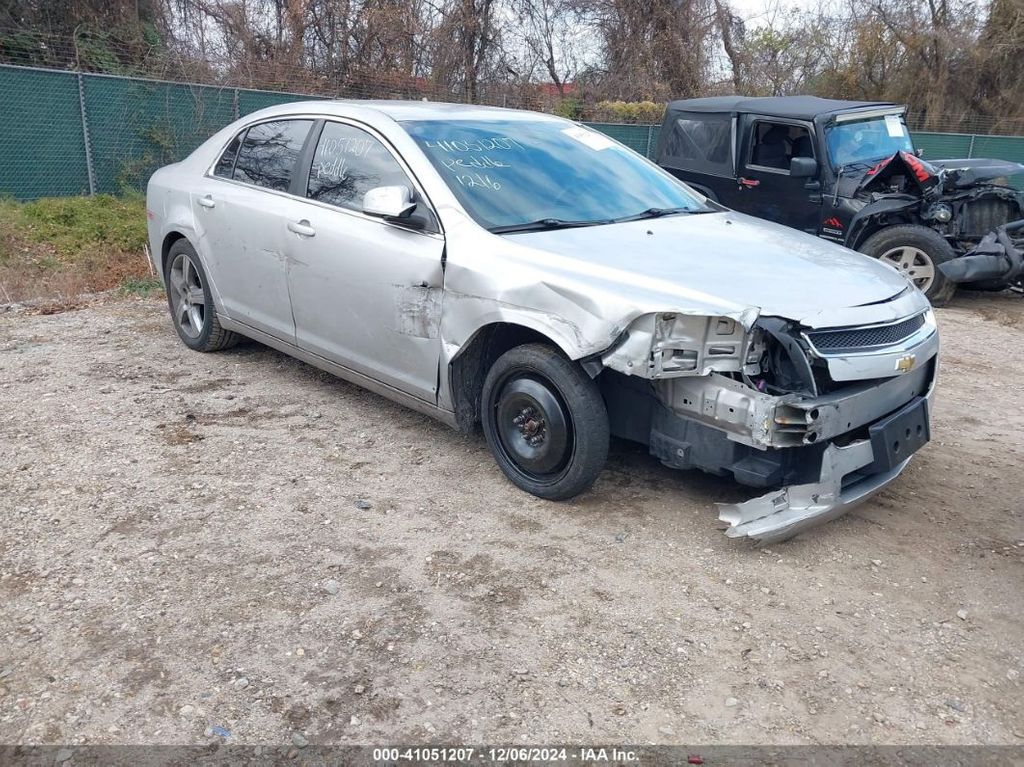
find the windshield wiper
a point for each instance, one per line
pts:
(657, 213)
(544, 224)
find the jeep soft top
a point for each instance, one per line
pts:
(847, 171)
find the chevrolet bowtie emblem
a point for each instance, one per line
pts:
(905, 364)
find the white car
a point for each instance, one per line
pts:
(522, 272)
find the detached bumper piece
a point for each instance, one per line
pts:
(996, 257)
(850, 475)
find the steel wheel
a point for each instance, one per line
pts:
(188, 299)
(545, 421)
(913, 262)
(534, 428)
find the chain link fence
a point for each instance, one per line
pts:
(65, 132)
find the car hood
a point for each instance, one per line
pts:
(978, 170)
(734, 259)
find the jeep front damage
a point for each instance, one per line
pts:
(965, 201)
(826, 416)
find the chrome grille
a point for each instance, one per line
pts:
(852, 339)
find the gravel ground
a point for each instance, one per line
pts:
(242, 542)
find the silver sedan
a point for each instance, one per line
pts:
(524, 273)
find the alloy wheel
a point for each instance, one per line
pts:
(914, 263)
(188, 299)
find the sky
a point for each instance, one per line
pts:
(751, 10)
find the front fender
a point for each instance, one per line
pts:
(464, 316)
(861, 220)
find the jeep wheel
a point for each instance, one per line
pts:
(916, 251)
(545, 422)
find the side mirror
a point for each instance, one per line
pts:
(389, 202)
(803, 167)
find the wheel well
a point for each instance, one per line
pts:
(469, 368)
(165, 248)
(876, 224)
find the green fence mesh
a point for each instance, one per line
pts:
(640, 138)
(42, 146)
(136, 125)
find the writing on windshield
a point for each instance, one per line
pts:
(509, 172)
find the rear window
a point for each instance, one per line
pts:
(226, 164)
(269, 152)
(700, 142)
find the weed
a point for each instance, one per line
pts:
(77, 225)
(59, 248)
(140, 286)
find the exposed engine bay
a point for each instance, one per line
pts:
(807, 409)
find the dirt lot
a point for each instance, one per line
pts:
(239, 540)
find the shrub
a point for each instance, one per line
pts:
(646, 112)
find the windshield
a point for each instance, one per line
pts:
(868, 140)
(509, 173)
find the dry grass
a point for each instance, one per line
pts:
(53, 251)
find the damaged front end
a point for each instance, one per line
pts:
(965, 201)
(823, 415)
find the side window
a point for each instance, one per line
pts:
(701, 143)
(349, 162)
(226, 164)
(269, 152)
(775, 144)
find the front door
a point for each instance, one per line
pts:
(241, 235)
(365, 293)
(765, 187)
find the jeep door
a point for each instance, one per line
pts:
(766, 187)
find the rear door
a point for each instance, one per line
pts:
(366, 293)
(765, 187)
(242, 233)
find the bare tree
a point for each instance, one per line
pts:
(551, 31)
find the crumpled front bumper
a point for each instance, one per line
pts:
(783, 513)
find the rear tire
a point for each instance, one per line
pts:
(191, 302)
(545, 422)
(917, 251)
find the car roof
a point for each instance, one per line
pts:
(799, 107)
(402, 111)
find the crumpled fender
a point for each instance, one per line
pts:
(862, 217)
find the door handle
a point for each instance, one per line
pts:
(301, 228)
(207, 202)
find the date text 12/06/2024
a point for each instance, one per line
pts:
(507, 754)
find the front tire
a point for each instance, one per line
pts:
(917, 251)
(545, 422)
(191, 302)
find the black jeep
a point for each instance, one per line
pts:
(847, 171)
